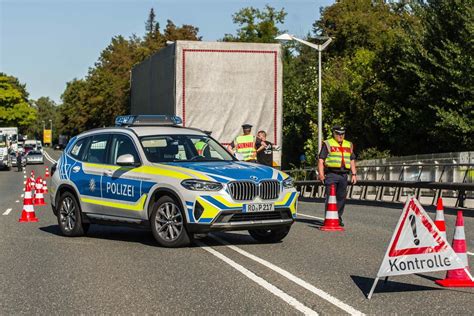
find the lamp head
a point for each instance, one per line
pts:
(284, 37)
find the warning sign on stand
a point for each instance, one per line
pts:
(417, 246)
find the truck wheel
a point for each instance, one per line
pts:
(69, 216)
(168, 224)
(269, 235)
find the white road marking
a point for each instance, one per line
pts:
(310, 216)
(24, 176)
(22, 195)
(326, 296)
(263, 283)
(7, 211)
(17, 201)
(24, 182)
(47, 156)
(470, 253)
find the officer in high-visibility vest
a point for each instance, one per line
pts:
(202, 146)
(245, 144)
(336, 160)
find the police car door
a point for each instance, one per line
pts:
(121, 186)
(88, 178)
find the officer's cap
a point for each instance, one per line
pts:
(246, 126)
(338, 129)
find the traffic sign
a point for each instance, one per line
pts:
(416, 246)
(47, 135)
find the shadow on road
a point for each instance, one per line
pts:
(313, 223)
(390, 286)
(126, 234)
(145, 237)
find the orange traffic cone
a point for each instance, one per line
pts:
(439, 220)
(46, 173)
(31, 179)
(458, 277)
(331, 220)
(28, 213)
(45, 186)
(39, 197)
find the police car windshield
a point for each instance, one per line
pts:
(183, 148)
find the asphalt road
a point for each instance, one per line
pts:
(121, 270)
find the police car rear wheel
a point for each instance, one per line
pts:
(69, 216)
(269, 235)
(167, 223)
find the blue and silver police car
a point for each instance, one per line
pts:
(150, 171)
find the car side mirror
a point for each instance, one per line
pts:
(126, 160)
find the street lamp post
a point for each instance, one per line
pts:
(319, 48)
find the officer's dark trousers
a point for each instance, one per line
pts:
(340, 182)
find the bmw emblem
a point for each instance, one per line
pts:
(254, 178)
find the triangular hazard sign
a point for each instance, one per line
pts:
(417, 245)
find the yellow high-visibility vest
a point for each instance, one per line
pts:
(337, 153)
(200, 146)
(245, 145)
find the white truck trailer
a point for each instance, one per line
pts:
(214, 86)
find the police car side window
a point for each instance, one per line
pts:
(78, 149)
(97, 150)
(123, 145)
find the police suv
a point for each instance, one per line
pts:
(150, 171)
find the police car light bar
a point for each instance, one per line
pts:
(147, 120)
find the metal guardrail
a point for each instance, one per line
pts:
(379, 182)
(317, 189)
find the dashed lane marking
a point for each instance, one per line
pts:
(24, 176)
(17, 201)
(7, 211)
(22, 195)
(326, 296)
(470, 253)
(262, 282)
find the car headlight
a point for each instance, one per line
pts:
(288, 183)
(201, 185)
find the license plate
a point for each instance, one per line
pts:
(258, 207)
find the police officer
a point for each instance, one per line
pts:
(245, 144)
(336, 160)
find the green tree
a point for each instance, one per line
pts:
(46, 110)
(369, 41)
(257, 26)
(73, 112)
(151, 26)
(443, 66)
(14, 107)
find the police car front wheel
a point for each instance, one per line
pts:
(69, 216)
(167, 223)
(269, 235)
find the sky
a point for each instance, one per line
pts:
(46, 43)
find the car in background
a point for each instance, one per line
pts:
(28, 148)
(34, 157)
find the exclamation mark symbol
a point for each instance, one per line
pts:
(413, 228)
